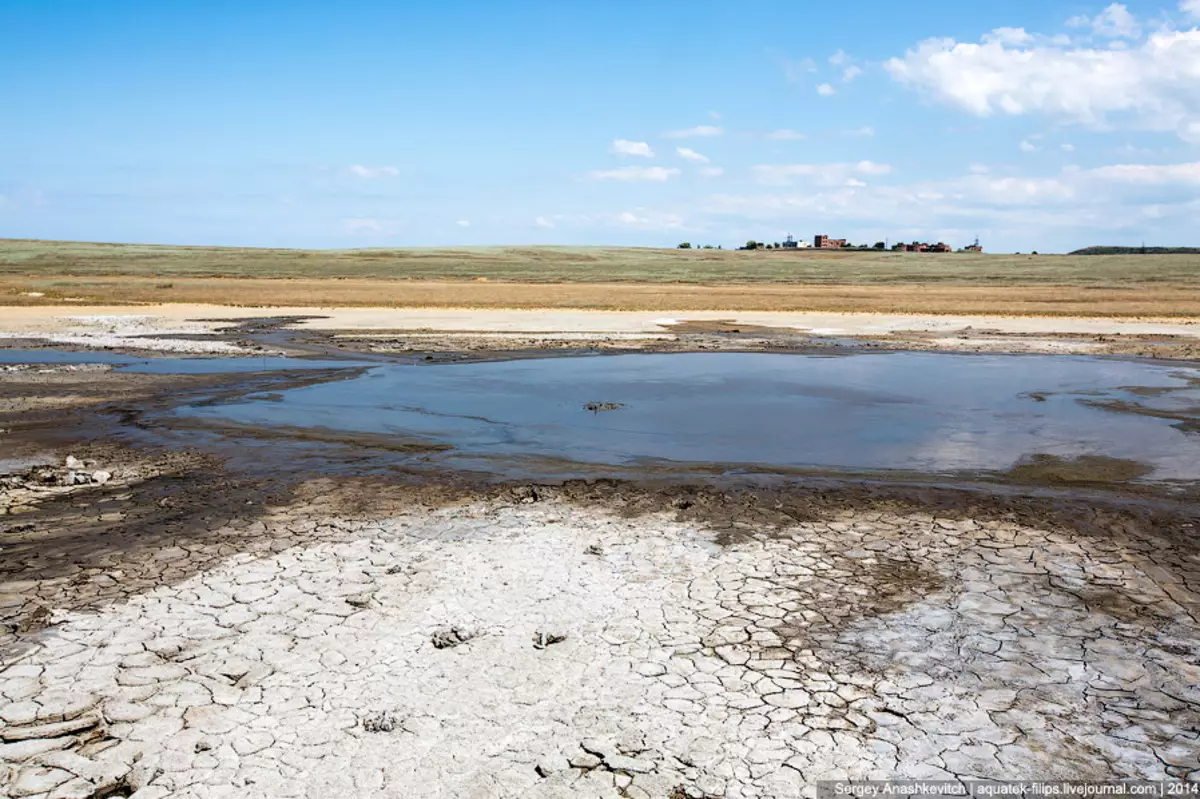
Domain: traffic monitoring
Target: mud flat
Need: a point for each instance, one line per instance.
(334, 623)
(226, 330)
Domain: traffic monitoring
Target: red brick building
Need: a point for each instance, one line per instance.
(826, 243)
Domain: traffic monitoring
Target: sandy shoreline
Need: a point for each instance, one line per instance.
(211, 329)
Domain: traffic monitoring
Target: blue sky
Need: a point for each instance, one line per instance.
(1035, 125)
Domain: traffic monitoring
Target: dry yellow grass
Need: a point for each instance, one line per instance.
(1035, 300)
(610, 278)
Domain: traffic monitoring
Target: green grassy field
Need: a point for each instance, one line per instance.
(47, 259)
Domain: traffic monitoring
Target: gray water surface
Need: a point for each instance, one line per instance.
(896, 411)
(165, 365)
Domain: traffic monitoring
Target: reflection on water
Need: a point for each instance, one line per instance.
(910, 411)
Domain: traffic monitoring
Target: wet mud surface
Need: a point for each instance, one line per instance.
(187, 613)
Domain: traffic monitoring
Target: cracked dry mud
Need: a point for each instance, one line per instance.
(867, 644)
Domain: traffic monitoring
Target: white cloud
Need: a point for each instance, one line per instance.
(691, 155)
(1150, 174)
(821, 174)
(825, 90)
(785, 134)
(712, 171)
(697, 132)
(850, 73)
(1069, 148)
(839, 58)
(1191, 8)
(1067, 210)
(865, 130)
(463, 223)
(626, 147)
(643, 219)
(1028, 147)
(1114, 22)
(635, 173)
(872, 168)
(542, 221)
(370, 172)
(1009, 36)
(1153, 84)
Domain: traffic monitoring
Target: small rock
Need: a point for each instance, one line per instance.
(74, 463)
(360, 600)
(597, 407)
(450, 637)
(542, 640)
(593, 549)
(101, 477)
(383, 721)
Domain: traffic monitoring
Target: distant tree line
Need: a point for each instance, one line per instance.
(1138, 251)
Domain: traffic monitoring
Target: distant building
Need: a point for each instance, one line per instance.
(825, 243)
(976, 247)
(920, 246)
(791, 244)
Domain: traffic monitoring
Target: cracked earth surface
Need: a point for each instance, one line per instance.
(555, 649)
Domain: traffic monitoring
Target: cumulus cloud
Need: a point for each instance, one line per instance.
(1103, 199)
(850, 73)
(865, 130)
(691, 155)
(626, 147)
(631, 174)
(1114, 22)
(1191, 8)
(700, 131)
(1152, 84)
(785, 134)
(821, 174)
(826, 90)
(370, 172)
(463, 223)
(1027, 146)
(542, 221)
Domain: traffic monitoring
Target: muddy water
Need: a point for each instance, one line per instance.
(899, 411)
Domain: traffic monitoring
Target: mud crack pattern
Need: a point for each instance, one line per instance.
(867, 645)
